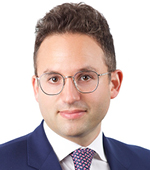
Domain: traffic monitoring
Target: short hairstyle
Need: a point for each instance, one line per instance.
(76, 18)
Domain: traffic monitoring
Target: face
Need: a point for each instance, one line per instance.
(71, 114)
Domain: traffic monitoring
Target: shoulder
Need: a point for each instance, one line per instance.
(13, 153)
(136, 154)
(13, 144)
(127, 147)
(19, 144)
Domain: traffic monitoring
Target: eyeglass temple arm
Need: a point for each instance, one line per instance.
(103, 74)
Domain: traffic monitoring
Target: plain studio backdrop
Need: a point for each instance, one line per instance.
(128, 117)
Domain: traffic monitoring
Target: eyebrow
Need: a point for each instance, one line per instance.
(50, 71)
(87, 68)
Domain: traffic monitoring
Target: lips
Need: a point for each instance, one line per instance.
(72, 114)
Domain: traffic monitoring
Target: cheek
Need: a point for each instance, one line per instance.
(99, 102)
(46, 105)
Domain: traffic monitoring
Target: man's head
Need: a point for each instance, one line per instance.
(74, 51)
(77, 18)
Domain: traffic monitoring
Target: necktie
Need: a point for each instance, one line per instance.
(82, 158)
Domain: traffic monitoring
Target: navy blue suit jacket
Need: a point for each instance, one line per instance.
(34, 152)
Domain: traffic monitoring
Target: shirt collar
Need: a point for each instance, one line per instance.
(64, 147)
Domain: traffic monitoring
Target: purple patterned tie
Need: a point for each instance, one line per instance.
(82, 158)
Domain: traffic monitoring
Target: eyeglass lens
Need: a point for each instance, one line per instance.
(53, 83)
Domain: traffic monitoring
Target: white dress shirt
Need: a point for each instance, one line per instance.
(63, 147)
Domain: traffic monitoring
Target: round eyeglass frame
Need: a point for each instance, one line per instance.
(73, 78)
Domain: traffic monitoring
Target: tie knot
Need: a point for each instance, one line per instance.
(82, 158)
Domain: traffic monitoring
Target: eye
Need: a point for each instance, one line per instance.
(54, 79)
(85, 77)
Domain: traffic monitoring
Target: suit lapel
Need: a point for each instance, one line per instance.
(116, 155)
(39, 151)
(41, 156)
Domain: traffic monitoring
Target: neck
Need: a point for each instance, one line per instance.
(86, 139)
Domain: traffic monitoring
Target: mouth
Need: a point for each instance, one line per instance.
(72, 114)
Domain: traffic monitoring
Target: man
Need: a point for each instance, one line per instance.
(75, 78)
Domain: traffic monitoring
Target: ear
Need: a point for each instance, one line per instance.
(35, 87)
(115, 84)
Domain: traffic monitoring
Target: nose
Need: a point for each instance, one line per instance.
(70, 94)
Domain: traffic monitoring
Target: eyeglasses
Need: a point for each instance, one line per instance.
(84, 81)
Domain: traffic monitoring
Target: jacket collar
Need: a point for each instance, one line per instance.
(40, 153)
(42, 156)
(117, 156)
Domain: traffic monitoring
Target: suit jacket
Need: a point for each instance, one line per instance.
(34, 152)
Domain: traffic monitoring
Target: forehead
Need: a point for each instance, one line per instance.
(69, 52)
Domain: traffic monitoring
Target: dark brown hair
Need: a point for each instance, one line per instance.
(76, 18)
